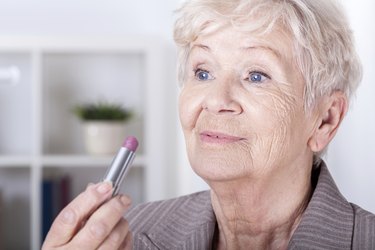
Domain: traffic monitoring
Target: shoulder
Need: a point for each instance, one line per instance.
(145, 216)
(363, 215)
(330, 221)
(364, 228)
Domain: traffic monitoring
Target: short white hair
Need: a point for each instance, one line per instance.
(323, 41)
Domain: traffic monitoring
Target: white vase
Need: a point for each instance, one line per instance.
(103, 137)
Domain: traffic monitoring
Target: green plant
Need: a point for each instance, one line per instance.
(102, 111)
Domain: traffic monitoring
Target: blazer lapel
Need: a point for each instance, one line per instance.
(191, 226)
(328, 220)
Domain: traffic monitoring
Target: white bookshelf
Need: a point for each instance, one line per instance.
(39, 136)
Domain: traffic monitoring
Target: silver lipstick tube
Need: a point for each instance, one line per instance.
(119, 166)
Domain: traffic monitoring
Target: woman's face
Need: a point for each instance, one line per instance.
(241, 106)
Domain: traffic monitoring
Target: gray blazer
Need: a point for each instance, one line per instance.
(188, 222)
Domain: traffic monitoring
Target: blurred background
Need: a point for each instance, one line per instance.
(57, 55)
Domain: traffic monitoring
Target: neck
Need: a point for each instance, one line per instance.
(262, 213)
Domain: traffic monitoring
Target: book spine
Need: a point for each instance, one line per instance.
(47, 206)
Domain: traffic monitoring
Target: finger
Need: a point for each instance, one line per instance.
(101, 223)
(72, 216)
(116, 237)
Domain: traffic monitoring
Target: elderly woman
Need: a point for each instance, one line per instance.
(265, 86)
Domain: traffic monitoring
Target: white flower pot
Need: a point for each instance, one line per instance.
(103, 137)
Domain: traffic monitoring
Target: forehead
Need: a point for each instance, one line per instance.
(278, 41)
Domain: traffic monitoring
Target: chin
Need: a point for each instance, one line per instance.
(218, 169)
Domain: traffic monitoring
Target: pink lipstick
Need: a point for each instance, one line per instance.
(121, 163)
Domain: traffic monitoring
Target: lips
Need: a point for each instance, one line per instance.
(217, 137)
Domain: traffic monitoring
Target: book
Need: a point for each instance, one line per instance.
(55, 196)
(47, 206)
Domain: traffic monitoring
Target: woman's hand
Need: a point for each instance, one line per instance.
(92, 222)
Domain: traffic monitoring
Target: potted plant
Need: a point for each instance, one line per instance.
(103, 126)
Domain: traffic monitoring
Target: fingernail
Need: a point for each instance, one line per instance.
(104, 187)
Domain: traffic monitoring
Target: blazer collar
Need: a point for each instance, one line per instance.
(198, 221)
(328, 219)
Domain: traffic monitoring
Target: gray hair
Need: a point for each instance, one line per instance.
(323, 41)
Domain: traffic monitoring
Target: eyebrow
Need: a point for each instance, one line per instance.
(207, 48)
(200, 46)
(275, 52)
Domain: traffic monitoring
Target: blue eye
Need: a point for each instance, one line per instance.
(203, 75)
(257, 77)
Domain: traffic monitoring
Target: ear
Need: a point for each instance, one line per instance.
(331, 113)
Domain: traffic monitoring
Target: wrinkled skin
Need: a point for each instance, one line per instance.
(247, 134)
(268, 116)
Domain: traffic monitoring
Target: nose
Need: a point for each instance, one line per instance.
(221, 99)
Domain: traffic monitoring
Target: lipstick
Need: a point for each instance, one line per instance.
(121, 163)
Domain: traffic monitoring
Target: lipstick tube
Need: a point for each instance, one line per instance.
(121, 163)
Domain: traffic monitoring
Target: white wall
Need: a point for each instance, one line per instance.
(350, 156)
(87, 17)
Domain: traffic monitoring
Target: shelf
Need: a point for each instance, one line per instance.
(14, 161)
(66, 161)
(85, 161)
(41, 138)
(68, 44)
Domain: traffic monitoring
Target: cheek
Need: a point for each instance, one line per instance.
(277, 107)
(189, 108)
(277, 119)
